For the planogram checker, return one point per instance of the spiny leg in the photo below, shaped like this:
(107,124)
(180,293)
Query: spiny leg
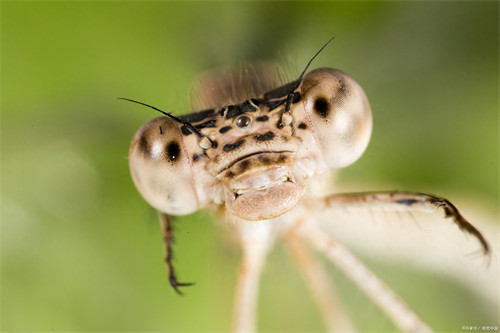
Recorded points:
(168,239)
(407,201)
(255,240)
(366,280)
(336,320)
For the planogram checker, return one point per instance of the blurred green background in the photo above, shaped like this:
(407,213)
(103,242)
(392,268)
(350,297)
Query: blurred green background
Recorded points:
(81,250)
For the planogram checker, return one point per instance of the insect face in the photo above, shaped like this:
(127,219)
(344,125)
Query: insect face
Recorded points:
(255,161)
(254,152)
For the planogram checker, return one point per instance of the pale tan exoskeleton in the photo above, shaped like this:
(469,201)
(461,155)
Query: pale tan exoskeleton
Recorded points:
(256,161)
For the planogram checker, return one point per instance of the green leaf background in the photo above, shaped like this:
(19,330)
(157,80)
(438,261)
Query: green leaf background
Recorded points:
(81,250)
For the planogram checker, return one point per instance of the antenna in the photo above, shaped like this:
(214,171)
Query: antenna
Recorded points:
(188,125)
(290,96)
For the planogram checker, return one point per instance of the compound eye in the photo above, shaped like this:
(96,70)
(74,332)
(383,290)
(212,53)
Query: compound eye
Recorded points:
(339,113)
(243,121)
(160,167)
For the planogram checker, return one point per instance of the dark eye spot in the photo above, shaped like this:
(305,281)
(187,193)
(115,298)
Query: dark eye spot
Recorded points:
(302,126)
(173,151)
(321,107)
(243,121)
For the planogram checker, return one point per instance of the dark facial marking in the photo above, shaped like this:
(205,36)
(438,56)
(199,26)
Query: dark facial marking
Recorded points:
(225,129)
(161,132)
(244,165)
(280,91)
(264,158)
(233,111)
(274,104)
(296,97)
(207,124)
(255,101)
(198,116)
(302,126)
(232,146)
(265,137)
(196,157)
(262,118)
(322,107)
(172,151)
(246,106)
(236,110)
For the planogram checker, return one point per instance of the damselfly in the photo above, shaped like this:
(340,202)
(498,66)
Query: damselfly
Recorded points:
(257,159)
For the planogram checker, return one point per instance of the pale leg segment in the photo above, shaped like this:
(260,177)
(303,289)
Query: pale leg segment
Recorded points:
(366,280)
(256,239)
(336,320)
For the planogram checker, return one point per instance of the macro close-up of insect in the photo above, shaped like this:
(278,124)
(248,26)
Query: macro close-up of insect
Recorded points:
(315,166)
(256,162)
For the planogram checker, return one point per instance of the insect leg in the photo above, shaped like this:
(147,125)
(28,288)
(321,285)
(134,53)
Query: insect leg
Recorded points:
(256,240)
(366,280)
(407,201)
(336,320)
(168,238)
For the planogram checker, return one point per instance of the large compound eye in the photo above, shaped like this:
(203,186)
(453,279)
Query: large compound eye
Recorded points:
(340,115)
(160,167)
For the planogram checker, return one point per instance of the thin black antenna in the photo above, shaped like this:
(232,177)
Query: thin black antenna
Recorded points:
(189,126)
(290,96)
